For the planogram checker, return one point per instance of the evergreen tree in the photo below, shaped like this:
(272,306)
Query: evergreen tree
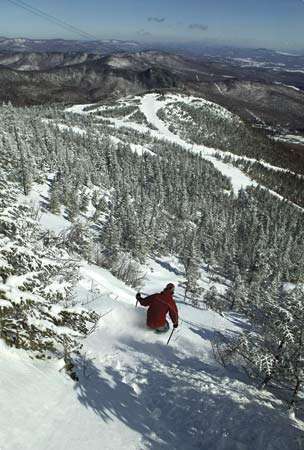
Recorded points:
(54,203)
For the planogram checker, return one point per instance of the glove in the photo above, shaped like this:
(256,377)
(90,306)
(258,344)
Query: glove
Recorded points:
(138,296)
(175,325)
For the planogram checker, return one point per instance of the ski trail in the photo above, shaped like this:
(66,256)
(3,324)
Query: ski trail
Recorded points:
(79,109)
(219,89)
(150,105)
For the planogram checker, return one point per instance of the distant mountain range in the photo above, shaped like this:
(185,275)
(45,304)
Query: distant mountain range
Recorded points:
(64,45)
(108,46)
(37,61)
(269,94)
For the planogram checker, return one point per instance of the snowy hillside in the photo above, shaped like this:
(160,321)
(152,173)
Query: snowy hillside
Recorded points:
(159,114)
(149,106)
(136,392)
(99,202)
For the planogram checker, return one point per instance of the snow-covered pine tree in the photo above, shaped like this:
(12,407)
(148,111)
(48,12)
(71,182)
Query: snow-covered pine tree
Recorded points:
(273,350)
(191,260)
(36,283)
(236,294)
(54,199)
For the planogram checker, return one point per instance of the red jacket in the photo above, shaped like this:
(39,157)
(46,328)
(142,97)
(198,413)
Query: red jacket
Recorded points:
(159,305)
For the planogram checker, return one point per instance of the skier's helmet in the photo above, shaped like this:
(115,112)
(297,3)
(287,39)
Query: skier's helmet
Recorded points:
(170,287)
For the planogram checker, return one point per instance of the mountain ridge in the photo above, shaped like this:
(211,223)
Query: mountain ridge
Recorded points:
(258,95)
(46,45)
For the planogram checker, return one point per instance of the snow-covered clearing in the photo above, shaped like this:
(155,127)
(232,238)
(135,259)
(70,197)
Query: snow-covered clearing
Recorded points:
(38,200)
(79,109)
(63,127)
(287,54)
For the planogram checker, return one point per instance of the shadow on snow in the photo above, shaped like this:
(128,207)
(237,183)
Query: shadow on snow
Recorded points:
(178,402)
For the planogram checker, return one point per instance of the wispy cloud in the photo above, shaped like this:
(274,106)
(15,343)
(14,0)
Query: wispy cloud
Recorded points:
(156,19)
(143,32)
(198,27)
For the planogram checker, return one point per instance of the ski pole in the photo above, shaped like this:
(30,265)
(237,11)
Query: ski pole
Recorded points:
(170,336)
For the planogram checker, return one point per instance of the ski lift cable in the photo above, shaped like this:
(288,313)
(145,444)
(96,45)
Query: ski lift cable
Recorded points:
(40,13)
(61,23)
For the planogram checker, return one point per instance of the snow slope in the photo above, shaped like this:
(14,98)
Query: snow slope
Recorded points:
(150,104)
(134,391)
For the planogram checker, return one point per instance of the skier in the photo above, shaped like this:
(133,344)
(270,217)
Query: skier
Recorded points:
(159,305)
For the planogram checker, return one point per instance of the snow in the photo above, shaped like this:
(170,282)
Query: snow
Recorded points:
(79,109)
(287,54)
(150,104)
(135,148)
(119,62)
(37,198)
(140,150)
(74,129)
(15,295)
(288,85)
(250,62)
(136,392)
(292,138)
(219,88)
(64,127)
(55,223)
(257,118)
(26,67)
(5,304)
(294,70)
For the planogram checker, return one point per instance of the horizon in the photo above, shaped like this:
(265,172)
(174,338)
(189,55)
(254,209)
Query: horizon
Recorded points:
(150,45)
(277,25)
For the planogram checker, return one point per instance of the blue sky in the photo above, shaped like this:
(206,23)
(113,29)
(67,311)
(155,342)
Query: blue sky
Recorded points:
(269,23)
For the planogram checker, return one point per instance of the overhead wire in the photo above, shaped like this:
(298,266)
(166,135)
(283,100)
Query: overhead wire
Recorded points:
(59,22)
